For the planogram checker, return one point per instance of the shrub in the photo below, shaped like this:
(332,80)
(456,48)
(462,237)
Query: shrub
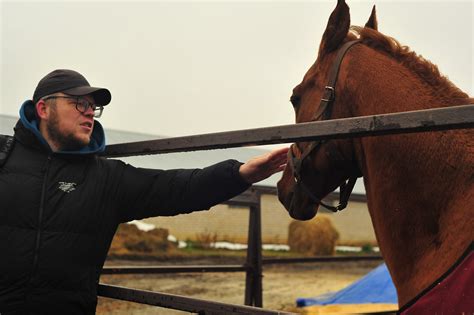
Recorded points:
(367,248)
(204,240)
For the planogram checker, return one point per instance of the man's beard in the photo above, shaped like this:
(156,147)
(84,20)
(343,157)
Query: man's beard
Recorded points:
(66,142)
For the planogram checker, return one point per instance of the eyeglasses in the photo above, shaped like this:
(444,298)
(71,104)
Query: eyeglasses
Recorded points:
(82,105)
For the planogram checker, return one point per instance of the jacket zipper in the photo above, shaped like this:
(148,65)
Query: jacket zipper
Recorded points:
(40,214)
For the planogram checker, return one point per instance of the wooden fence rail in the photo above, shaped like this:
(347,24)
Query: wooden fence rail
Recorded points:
(182,303)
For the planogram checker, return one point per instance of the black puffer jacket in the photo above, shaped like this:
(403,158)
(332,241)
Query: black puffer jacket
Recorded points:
(59,213)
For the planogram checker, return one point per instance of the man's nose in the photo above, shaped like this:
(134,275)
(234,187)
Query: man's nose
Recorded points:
(89,112)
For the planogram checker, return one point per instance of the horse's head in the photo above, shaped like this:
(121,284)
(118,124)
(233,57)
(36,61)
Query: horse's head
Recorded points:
(317,168)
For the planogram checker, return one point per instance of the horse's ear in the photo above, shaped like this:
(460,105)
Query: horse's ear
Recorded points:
(372,22)
(337,28)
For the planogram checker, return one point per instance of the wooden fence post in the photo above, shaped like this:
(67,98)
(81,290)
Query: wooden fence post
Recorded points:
(253,279)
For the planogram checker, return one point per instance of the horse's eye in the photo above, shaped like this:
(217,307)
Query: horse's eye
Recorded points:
(295,100)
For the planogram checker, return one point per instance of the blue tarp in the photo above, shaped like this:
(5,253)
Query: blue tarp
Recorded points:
(375,287)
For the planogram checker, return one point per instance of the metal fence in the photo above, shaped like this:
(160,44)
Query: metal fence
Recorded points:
(457,117)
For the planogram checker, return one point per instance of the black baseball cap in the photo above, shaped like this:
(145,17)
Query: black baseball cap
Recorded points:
(72,83)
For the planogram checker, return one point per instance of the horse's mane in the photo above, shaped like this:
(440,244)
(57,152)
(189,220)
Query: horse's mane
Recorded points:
(426,70)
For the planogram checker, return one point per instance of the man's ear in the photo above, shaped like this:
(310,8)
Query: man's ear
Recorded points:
(41,109)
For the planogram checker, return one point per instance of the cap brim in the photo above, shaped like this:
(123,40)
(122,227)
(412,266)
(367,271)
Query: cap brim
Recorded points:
(101,96)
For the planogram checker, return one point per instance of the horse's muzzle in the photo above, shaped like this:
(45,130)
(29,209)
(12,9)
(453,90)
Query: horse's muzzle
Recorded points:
(305,212)
(298,207)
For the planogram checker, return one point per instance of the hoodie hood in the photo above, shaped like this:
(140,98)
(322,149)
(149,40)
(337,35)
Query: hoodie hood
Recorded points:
(30,121)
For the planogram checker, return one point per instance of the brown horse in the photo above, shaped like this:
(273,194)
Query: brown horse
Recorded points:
(419,187)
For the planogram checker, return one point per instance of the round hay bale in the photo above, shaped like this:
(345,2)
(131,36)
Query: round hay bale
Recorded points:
(129,241)
(314,237)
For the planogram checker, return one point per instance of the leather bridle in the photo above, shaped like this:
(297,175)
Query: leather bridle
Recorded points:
(323,113)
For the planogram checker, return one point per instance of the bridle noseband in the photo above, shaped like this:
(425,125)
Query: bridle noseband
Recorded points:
(324,112)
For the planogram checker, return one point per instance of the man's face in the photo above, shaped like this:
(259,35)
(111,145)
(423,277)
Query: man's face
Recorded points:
(68,128)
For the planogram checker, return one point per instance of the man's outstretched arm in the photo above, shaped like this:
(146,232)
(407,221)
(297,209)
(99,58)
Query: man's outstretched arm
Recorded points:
(144,193)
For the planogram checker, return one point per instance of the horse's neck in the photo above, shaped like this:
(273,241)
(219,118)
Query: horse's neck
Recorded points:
(419,186)
(421,206)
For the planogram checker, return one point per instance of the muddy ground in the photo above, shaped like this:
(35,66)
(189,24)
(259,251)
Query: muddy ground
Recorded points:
(282,284)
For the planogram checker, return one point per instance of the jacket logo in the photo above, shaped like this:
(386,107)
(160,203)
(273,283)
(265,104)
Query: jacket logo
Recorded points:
(67,187)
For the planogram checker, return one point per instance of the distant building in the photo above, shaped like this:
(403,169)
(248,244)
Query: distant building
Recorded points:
(228,222)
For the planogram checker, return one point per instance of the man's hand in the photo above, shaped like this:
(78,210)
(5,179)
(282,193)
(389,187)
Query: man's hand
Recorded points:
(263,166)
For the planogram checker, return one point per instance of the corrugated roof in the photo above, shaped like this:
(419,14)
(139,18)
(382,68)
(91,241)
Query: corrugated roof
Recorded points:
(6,124)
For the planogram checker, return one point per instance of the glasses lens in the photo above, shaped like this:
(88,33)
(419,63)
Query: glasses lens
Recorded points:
(98,111)
(82,105)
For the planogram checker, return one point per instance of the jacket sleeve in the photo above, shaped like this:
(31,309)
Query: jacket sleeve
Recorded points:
(143,193)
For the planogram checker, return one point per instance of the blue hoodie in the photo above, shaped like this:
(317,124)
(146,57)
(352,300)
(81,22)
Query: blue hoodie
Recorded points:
(29,120)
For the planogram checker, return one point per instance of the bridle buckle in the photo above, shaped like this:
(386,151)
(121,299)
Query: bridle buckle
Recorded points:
(329,94)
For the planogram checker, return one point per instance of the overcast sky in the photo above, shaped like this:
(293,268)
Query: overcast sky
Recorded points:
(181,68)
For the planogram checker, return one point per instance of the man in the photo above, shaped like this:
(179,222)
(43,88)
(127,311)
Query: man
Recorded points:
(61,203)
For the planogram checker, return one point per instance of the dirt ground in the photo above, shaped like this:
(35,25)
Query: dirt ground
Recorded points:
(282,284)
